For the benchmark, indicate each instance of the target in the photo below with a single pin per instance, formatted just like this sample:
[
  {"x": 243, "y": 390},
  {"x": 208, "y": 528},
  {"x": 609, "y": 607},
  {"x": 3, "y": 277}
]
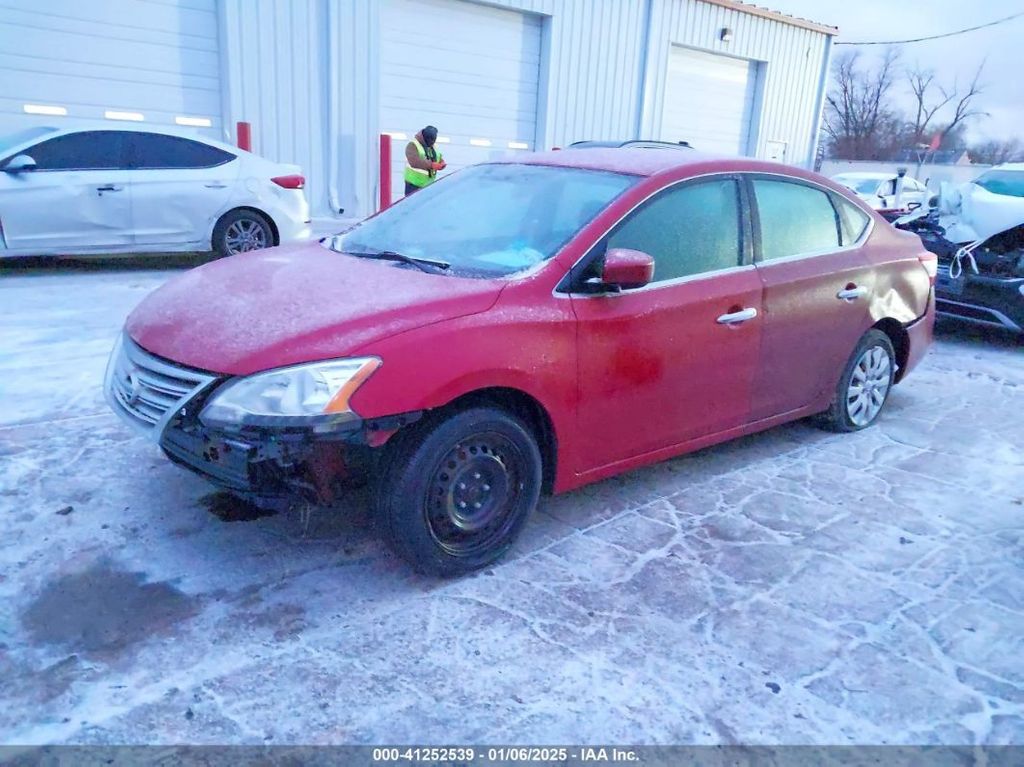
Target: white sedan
[
  {"x": 879, "y": 190},
  {"x": 78, "y": 191}
]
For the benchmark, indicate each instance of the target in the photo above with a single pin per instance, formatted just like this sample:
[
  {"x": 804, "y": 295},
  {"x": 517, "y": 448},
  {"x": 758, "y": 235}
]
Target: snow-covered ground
[{"x": 792, "y": 587}]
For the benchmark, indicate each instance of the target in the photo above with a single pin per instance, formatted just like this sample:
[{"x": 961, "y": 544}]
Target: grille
[{"x": 144, "y": 389}]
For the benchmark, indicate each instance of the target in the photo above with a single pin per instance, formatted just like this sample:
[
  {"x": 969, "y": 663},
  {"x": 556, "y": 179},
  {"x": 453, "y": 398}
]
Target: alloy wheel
[
  {"x": 869, "y": 385},
  {"x": 244, "y": 235}
]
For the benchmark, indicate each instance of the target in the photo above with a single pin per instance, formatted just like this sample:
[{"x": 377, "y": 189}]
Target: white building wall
[
  {"x": 305, "y": 73},
  {"x": 592, "y": 72},
  {"x": 273, "y": 58},
  {"x": 792, "y": 60}
]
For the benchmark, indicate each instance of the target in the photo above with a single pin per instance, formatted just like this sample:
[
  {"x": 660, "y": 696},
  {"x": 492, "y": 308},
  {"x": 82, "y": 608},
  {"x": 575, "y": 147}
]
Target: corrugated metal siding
[
  {"x": 792, "y": 60},
  {"x": 356, "y": 26},
  {"x": 274, "y": 65},
  {"x": 593, "y": 70}
]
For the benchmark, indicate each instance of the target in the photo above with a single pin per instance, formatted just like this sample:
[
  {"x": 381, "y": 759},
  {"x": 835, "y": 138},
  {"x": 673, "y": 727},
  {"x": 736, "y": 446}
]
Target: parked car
[
  {"x": 541, "y": 322},
  {"x": 878, "y": 190},
  {"x": 77, "y": 191},
  {"x": 977, "y": 232}
]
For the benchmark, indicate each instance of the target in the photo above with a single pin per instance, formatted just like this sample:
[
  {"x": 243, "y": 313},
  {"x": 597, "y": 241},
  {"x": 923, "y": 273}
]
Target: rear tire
[
  {"x": 453, "y": 495},
  {"x": 241, "y": 231},
  {"x": 864, "y": 385}
]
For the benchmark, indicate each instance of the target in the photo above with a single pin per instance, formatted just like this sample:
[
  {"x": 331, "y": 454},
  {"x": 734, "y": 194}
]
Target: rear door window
[
  {"x": 152, "y": 151},
  {"x": 688, "y": 230},
  {"x": 796, "y": 219},
  {"x": 90, "y": 150},
  {"x": 853, "y": 222}
]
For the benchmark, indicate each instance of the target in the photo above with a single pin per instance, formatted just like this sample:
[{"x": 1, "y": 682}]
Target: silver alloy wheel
[
  {"x": 869, "y": 386},
  {"x": 244, "y": 235}
]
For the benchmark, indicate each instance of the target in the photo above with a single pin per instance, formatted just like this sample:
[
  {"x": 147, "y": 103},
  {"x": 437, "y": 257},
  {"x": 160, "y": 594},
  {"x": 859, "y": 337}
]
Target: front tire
[
  {"x": 240, "y": 231},
  {"x": 453, "y": 495},
  {"x": 864, "y": 385}
]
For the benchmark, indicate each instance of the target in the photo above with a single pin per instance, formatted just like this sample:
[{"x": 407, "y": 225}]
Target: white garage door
[
  {"x": 709, "y": 101},
  {"x": 470, "y": 70},
  {"x": 125, "y": 57}
]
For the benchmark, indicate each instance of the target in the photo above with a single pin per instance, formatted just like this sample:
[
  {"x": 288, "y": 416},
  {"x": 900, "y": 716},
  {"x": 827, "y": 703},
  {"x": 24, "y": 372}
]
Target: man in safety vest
[{"x": 422, "y": 160}]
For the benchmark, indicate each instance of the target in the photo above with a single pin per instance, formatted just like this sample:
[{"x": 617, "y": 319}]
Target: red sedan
[{"x": 528, "y": 325}]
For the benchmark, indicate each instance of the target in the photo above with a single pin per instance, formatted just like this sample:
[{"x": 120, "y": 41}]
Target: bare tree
[
  {"x": 922, "y": 85},
  {"x": 997, "y": 152},
  {"x": 859, "y": 118},
  {"x": 964, "y": 108}
]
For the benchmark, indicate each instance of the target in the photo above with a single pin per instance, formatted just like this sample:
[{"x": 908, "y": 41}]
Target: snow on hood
[
  {"x": 283, "y": 306},
  {"x": 970, "y": 213}
]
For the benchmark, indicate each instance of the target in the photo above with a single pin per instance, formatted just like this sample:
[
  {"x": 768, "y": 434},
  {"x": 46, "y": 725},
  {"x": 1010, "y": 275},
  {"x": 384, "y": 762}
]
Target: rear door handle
[
  {"x": 735, "y": 318},
  {"x": 215, "y": 185},
  {"x": 109, "y": 188},
  {"x": 852, "y": 294}
]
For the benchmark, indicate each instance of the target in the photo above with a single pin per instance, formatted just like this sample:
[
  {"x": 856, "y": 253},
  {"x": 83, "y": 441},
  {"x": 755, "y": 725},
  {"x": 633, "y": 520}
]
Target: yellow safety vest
[{"x": 418, "y": 176}]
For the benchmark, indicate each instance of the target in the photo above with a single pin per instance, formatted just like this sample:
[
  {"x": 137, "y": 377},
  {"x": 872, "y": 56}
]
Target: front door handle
[
  {"x": 215, "y": 185},
  {"x": 109, "y": 188},
  {"x": 735, "y": 318},
  {"x": 852, "y": 293}
]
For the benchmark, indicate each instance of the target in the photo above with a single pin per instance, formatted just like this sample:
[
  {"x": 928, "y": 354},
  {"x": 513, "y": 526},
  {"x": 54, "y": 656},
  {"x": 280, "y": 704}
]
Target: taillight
[
  {"x": 290, "y": 182},
  {"x": 930, "y": 262}
]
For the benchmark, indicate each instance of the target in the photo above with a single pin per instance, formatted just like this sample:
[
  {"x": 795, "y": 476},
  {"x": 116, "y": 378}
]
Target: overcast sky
[{"x": 1001, "y": 46}]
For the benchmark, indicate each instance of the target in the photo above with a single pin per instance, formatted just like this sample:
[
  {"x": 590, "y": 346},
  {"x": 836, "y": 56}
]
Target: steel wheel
[
  {"x": 453, "y": 492},
  {"x": 869, "y": 386},
  {"x": 474, "y": 493},
  {"x": 244, "y": 235}
]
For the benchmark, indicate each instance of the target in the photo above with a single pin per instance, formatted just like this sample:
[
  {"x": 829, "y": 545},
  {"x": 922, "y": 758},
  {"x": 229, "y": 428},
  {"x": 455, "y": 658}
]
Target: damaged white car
[
  {"x": 142, "y": 189},
  {"x": 977, "y": 231}
]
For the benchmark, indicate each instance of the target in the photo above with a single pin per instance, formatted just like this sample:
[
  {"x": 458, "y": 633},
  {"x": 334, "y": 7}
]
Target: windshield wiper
[{"x": 391, "y": 255}]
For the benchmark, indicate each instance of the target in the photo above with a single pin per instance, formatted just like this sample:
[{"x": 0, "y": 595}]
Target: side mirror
[
  {"x": 20, "y": 163},
  {"x": 625, "y": 269}
]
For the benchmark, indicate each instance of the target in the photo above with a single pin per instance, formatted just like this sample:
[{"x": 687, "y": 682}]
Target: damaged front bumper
[{"x": 268, "y": 465}]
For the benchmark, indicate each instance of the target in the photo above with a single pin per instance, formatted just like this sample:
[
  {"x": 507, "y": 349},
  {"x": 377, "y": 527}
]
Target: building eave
[{"x": 765, "y": 13}]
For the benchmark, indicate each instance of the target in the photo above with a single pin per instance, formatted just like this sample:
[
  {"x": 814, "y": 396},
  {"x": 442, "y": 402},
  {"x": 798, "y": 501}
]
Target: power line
[{"x": 936, "y": 37}]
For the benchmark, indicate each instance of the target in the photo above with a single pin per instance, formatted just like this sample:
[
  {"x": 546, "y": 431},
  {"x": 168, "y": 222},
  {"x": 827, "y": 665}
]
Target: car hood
[
  {"x": 970, "y": 213},
  {"x": 284, "y": 306}
]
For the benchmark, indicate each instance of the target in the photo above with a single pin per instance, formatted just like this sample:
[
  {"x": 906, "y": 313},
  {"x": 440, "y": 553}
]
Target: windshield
[
  {"x": 1008, "y": 182},
  {"x": 489, "y": 220},
  {"x": 12, "y": 140},
  {"x": 860, "y": 185}
]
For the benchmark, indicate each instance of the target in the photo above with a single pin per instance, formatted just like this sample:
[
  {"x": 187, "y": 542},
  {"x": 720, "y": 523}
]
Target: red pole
[
  {"x": 244, "y": 131},
  {"x": 385, "y": 171}
]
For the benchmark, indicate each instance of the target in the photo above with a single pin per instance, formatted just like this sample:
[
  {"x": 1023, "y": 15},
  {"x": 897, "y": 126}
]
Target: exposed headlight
[{"x": 313, "y": 393}]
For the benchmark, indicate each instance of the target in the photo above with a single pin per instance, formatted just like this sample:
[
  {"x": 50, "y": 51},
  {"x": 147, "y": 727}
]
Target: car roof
[
  {"x": 630, "y": 143},
  {"x": 1009, "y": 166},
  {"x": 865, "y": 175},
  {"x": 653, "y": 161}
]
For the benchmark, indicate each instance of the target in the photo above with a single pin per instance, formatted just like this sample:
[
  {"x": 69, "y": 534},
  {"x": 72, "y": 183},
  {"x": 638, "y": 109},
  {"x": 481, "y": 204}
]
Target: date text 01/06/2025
[{"x": 503, "y": 754}]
